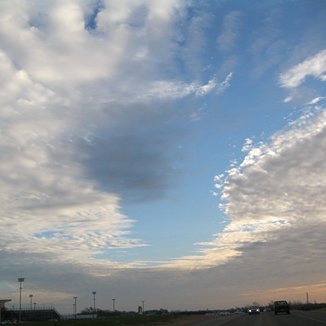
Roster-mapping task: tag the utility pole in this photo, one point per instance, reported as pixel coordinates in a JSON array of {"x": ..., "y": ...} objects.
[{"x": 113, "y": 305}]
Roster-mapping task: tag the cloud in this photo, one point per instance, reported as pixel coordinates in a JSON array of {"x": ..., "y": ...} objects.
[
  {"x": 225, "y": 83},
  {"x": 314, "y": 66},
  {"x": 134, "y": 162},
  {"x": 77, "y": 80},
  {"x": 247, "y": 146},
  {"x": 316, "y": 100},
  {"x": 62, "y": 118},
  {"x": 87, "y": 121},
  {"x": 274, "y": 199},
  {"x": 267, "y": 46},
  {"x": 230, "y": 31}
]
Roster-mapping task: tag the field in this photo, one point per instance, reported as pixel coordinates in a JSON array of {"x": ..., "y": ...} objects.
[{"x": 121, "y": 321}]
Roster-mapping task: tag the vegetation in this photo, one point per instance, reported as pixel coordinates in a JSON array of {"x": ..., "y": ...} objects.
[{"x": 112, "y": 321}]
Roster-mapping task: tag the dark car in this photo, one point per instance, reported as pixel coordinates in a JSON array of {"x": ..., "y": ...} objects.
[
  {"x": 253, "y": 310},
  {"x": 281, "y": 306}
]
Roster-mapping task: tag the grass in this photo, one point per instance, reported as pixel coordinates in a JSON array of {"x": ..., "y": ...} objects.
[{"x": 111, "y": 321}]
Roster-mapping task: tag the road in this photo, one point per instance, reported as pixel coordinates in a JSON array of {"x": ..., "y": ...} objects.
[{"x": 296, "y": 318}]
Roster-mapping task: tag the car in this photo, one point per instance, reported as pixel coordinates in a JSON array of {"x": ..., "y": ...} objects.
[
  {"x": 253, "y": 310},
  {"x": 281, "y": 306}
]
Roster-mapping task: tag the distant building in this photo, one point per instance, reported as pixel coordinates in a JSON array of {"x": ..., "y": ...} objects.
[
  {"x": 2, "y": 306},
  {"x": 39, "y": 314}
]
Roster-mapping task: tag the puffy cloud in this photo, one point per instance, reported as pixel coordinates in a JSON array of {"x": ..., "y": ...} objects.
[
  {"x": 54, "y": 125},
  {"x": 247, "y": 146},
  {"x": 77, "y": 79},
  {"x": 274, "y": 200},
  {"x": 314, "y": 66}
]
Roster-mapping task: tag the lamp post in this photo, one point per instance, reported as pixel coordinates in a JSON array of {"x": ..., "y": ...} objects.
[
  {"x": 75, "y": 307},
  {"x": 143, "y": 304},
  {"x": 31, "y": 302},
  {"x": 20, "y": 280},
  {"x": 113, "y": 305},
  {"x": 94, "y": 300},
  {"x": 94, "y": 305}
]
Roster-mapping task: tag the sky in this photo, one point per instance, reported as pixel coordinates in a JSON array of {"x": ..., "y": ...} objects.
[{"x": 171, "y": 152}]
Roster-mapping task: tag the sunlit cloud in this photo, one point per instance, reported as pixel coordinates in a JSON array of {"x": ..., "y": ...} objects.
[
  {"x": 316, "y": 100},
  {"x": 96, "y": 100},
  {"x": 314, "y": 66},
  {"x": 277, "y": 188},
  {"x": 73, "y": 90}
]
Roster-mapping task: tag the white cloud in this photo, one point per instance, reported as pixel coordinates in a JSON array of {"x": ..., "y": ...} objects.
[
  {"x": 230, "y": 31},
  {"x": 247, "y": 146},
  {"x": 170, "y": 90},
  {"x": 276, "y": 192},
  {"x": 69, "y": 88},
  {"x": 314, "y": 66},
  {"x": 128, "y": 42},
  {"x": 51, "y": 66},
  {"x": 288, "y": 99},
  {"x": 57, "y": 71},
  {"x": 225, "y": 83},
  {"x": 316, "y": 100}
]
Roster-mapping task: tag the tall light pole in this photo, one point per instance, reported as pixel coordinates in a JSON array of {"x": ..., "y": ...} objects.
[
  {"x": 94, "y": 301},
  {"x": 75, "y": 307},
  {"x": 143, "y": 304},
  {"x": 113, "y": 305},
  {"x": 31, "y": 302},
  {"x": 20, "y": 280}
]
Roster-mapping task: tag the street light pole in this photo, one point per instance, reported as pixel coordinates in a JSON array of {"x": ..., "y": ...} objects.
[
  {"x": 143, "y": 302},
  {"x": 20, "y": 280},
  {"x": 75, "y": 307},
  {"x": 31, "y": 297},
  {"x": 94, "y": 300},
  {"x": 113, "y": 305}
]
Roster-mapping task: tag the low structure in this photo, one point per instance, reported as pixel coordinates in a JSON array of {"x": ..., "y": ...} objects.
[
  {"x": 31, "y": 314},
  {"x": 2, "y": 305}
]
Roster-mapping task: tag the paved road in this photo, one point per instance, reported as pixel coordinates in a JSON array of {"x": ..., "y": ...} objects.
[{"x": 296, "y": 318}]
